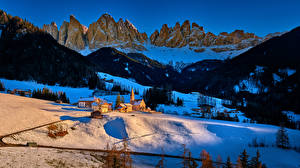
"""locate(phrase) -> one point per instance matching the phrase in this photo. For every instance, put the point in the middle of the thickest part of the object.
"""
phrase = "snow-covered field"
(19, 113)
(154, 132)
(145, 132)
(11, 157)
(72, 93)
(189, 100)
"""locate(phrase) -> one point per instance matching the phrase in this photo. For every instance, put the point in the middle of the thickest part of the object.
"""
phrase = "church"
(137, 104)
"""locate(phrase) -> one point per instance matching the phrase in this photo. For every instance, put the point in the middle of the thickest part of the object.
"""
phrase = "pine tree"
(118, 101)
(228, 163)
(244, 159)
(282, 139)
(255, 162)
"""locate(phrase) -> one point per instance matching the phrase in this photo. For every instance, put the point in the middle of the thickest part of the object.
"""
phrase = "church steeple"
(132, 97)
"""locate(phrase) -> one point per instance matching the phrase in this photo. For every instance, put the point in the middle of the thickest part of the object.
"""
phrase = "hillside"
(266, 75)
(152, 132)
(27, 53)
(135, 66)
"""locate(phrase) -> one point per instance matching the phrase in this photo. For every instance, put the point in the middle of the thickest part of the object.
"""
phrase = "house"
(86, 102)
(137, 104)
(21, 92)
(124, 107)
(101, 105)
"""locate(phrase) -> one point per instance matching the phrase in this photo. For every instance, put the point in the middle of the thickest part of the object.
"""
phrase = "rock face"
(104, 32)
(75, 37)
(107, 32)
(52, 30)
(194, 36)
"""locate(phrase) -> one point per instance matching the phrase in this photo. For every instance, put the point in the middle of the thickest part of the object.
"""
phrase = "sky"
(256, 16)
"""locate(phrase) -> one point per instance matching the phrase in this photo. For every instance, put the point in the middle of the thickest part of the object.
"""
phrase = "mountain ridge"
(106, 32)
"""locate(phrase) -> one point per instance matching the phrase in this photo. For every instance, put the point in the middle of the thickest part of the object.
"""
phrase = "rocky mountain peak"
(195, 37)
(52, 30)
(104, 32)
(123, 34)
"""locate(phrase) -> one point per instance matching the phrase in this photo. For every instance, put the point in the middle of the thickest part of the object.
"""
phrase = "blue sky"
(257, 16)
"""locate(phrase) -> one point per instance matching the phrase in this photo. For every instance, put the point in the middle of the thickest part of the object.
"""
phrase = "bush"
(57, 130)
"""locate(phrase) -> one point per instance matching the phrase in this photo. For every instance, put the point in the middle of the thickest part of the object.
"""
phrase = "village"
(98, 106)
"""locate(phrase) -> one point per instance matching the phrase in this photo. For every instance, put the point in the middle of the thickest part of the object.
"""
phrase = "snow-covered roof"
(87, 99)
(137, 102)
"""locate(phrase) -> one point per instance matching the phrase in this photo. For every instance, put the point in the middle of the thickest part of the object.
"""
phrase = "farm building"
(124, 107)
(86, 102)
(101, 106)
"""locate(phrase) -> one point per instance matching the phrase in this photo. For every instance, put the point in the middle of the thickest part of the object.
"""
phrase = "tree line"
(47, 94)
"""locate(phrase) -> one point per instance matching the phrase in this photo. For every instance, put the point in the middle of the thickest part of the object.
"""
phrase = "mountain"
(195, 37)
(133, 65)
(104, 32)
(28, 53)
(264, 81)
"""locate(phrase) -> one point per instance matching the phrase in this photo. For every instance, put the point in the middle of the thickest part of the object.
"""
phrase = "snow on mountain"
(178, 56)
(123, 82)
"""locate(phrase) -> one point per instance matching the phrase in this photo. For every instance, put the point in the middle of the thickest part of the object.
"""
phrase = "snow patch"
(288, 71)
(276, 78)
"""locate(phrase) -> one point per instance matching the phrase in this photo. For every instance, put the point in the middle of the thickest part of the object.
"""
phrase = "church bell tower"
(132, 97)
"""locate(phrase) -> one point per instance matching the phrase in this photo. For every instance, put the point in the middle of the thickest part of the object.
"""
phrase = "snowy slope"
(123, 82)
(72, 93)
(152, 132)
(189, 99)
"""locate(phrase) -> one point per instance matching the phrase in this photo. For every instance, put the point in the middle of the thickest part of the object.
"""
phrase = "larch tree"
(255, 161)
(206, 160)
(219, 162)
